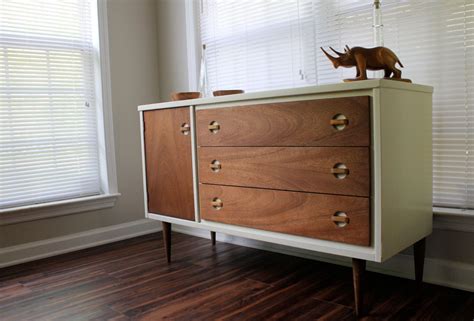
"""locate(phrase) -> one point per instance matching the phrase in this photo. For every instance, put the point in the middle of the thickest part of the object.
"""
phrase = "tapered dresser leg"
(167, 239)
(419, 255)
(358, 271)
(213, 238)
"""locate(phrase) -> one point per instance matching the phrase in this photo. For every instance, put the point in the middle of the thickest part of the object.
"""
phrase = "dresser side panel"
(406, 169)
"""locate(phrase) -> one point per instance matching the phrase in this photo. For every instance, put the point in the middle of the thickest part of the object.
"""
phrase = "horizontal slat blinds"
(433, 39)
(48, 123)
(252, 44)
(339, 23)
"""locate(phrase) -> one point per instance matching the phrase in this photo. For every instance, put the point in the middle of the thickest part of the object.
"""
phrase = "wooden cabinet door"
(168, 162)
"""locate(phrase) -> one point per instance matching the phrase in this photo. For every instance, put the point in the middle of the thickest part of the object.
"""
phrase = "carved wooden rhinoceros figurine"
(378, 58)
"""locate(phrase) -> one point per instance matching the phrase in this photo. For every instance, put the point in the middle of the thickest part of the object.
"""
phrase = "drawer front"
(330, 217)
(323, 122)
(331, 170)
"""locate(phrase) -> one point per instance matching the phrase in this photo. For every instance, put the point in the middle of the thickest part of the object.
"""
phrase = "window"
(257, 45)
(51, 120)
(252, 44)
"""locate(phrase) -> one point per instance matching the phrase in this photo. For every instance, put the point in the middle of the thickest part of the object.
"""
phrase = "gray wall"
(172, 56)
(134, 80)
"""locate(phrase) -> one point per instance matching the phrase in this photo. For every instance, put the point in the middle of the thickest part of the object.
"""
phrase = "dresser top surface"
(330, 88)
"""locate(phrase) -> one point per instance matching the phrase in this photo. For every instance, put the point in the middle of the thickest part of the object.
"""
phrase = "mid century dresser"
(343, 169)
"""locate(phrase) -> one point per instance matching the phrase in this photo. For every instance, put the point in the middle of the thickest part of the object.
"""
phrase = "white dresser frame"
(401, 195)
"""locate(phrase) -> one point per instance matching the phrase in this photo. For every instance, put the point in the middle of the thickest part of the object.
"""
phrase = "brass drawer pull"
(217, 203)
(214, 127)
(185, 129)
(340, 171)
(340, 219)
(215, 166)
(339, 122)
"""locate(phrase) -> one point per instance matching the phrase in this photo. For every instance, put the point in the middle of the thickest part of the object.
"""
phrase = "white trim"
(280, 93)
(194, 161)
(52, 209)
(142, 143)
(107, 129)
(336, 248)
(376, 175)
(192, 43)
(453, 219)
(59, 245)
(454, 223)
(436, 271)
(442, 211)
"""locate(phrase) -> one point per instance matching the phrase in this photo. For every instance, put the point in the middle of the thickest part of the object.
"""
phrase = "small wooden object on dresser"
(302, 167)
(378, 58)
(185, 95)
(227, 92)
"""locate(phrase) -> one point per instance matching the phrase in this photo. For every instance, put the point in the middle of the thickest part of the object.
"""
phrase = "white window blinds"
(257, 45)
(252, 44)
(48, 122)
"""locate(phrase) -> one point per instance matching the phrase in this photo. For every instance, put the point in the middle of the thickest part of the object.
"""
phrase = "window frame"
(453, 219)
(107, 163)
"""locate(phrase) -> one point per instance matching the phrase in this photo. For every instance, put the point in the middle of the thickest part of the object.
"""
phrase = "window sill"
(453, 219)
(53, 209)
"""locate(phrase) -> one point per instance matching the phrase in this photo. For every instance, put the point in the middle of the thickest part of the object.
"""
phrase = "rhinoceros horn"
(337, 52)
(333, 59)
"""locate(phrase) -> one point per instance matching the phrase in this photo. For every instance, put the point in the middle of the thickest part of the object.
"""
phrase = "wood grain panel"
(299, 123)
(304, 214)
(168, 163)
(305, 169)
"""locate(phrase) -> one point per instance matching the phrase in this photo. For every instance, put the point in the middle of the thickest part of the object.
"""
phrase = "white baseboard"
(73, 242)
(436, 271)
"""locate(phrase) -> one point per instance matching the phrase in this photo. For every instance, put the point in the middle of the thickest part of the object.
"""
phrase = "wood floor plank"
(429, 303)
(202, 306)
(313, 309)
(189, 288)
(131, 280)
(13, 291)
(80, 313)
(162, 282)
(43, 303)
(284, 295)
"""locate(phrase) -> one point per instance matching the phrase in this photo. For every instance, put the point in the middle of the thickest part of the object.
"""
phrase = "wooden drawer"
(330, 217)
(299, 123)
(307, 169)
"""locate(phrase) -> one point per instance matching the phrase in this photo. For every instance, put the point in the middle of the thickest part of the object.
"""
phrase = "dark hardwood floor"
(131, 280)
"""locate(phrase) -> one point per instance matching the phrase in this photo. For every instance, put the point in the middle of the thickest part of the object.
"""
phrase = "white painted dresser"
(344, 169)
